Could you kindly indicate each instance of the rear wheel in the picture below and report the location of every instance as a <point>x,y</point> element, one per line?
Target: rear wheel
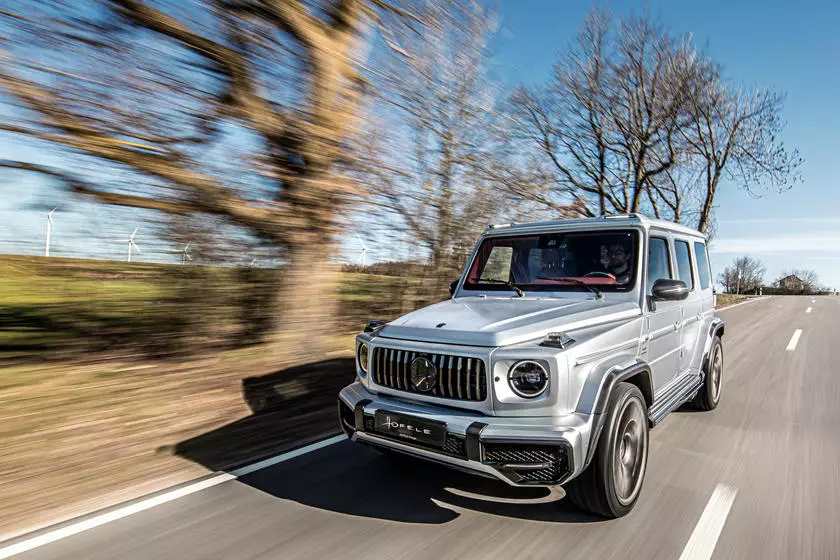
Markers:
<point>708,396</point>
<point>611,485</point>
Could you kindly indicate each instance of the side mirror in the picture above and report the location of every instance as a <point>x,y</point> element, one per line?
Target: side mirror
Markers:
<point>453,285</point>
<point>669,290</point>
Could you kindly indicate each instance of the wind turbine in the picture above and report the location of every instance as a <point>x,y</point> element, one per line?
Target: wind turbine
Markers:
<point>131,243</point>
<point>183,252</point>
<point>365,251</point>
<point>49,230</point>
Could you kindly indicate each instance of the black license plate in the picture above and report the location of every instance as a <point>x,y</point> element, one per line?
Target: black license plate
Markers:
<point>420,430</point>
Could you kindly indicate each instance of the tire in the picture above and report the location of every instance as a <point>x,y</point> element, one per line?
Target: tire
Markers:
<point>612,483</point>
<point>708,396</point>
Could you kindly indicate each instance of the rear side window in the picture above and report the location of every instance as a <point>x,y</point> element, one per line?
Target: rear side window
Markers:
<point>702,265</point>
<point>684,271</point>
<point>659,265</point>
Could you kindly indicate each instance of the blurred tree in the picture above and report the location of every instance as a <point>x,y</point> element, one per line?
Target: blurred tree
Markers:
<point>436,112</point>
<point>245,110</point>
<point>744,276</point>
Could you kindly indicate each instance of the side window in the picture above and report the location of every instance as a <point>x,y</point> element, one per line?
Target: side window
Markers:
<point>659,264</point>
<point>684,271</point>
<point>702,260</point>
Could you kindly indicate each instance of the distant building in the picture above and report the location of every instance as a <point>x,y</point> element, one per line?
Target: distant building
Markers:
<point>792,283</point>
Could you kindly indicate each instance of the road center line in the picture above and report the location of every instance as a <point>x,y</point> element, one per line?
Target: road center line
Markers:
<point>794,340</point>
<point>808,310</point>
<point>97,520</point>
<point>701,544</point>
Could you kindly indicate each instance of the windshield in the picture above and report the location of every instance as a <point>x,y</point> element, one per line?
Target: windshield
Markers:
<point>552,262</point>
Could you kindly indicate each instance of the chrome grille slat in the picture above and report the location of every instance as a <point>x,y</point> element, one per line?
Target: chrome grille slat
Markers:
<point>392,363</point>
<point>449,379</point>
<point>458,373</point>
<point>392,369</point>
<point>406,378</point>
<point>399,372</point>
<point>469,386</point>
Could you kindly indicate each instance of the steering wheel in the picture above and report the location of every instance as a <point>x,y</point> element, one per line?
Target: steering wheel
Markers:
<point>598,274</point>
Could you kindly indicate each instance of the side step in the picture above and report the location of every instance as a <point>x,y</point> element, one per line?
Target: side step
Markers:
<point>682,391</point>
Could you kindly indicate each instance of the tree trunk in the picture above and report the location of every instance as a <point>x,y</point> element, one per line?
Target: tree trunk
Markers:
<point>706,210</point>
<point>306,305</point>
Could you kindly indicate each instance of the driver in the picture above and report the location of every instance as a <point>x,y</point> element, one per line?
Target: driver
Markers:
<point>616,260</point>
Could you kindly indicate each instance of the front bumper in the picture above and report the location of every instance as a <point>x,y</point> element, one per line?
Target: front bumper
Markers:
<point>522,451</point>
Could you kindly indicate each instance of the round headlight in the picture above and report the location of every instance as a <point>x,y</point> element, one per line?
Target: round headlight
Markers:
<point>362,356</point>
<point>528,379</point>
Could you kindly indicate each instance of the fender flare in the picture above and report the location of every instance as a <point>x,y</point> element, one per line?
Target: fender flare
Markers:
<point>716,328</point>
<point>611,379</point>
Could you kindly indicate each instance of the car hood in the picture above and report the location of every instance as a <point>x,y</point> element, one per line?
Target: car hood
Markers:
<point>491,321</point>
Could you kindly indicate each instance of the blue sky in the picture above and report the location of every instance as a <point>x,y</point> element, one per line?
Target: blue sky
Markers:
<point>793,48</point>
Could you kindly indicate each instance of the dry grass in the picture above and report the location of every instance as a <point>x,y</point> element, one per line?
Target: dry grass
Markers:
<point>725,300</point>
<point>72,431</point>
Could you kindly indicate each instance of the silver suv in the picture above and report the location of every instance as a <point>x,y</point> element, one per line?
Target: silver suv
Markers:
<point>564,342</point>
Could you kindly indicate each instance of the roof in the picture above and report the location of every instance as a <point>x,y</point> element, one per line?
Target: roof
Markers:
<point>609,220</point>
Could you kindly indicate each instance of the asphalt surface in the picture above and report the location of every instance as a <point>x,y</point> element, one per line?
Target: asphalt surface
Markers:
<point>773,439</point>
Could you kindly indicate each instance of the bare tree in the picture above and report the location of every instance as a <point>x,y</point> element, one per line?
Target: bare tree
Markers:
<point>735,134</point>
<point>744,275</point>
<point>608,119</point>
<point>636,119</point>
<point>241,109</point>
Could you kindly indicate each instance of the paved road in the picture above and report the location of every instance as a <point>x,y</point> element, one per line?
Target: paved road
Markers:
<point>773,438</point>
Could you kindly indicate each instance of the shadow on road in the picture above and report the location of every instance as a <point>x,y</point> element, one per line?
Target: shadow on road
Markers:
<point>356,480</point>
<point>291,407</point>
<point>298,405</point>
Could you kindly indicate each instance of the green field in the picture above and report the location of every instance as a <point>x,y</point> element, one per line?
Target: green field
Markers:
<point>59,308</point>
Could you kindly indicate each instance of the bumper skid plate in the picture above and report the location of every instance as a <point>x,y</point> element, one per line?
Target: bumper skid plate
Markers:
<point>519,463</point>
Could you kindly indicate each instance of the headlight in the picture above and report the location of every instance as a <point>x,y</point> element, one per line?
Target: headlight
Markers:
<point>528,379</point>
<point>362,357</point>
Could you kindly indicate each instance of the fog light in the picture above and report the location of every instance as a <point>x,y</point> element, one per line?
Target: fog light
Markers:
<point>528,379</point>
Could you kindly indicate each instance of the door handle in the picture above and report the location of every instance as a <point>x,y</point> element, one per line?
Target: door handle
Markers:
<point>676,327</point>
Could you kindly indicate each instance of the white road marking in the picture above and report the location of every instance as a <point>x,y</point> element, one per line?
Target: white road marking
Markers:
<point>742,303</point>
<point>794,340</point>
<point>808,310</point>
<point>121,512</point>
<point>701,544</point>
<point>248,469</point>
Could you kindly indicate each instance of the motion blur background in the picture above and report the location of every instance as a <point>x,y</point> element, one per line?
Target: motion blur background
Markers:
<point>291,169</point>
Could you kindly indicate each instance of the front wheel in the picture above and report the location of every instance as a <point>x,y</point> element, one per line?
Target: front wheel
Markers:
<point>611,485</point>
<point>708,396</point>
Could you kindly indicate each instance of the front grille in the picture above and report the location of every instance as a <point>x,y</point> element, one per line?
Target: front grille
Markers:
<point>458,377</point>
<point>505,453</point>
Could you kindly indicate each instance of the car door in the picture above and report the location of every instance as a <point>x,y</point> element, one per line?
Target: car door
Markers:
<point>691,306</point>
<point>663,317</point>
<point>707,300</point>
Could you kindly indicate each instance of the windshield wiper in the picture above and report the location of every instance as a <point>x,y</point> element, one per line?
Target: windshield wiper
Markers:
<point>577,281</point>
<point>507,283</point>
